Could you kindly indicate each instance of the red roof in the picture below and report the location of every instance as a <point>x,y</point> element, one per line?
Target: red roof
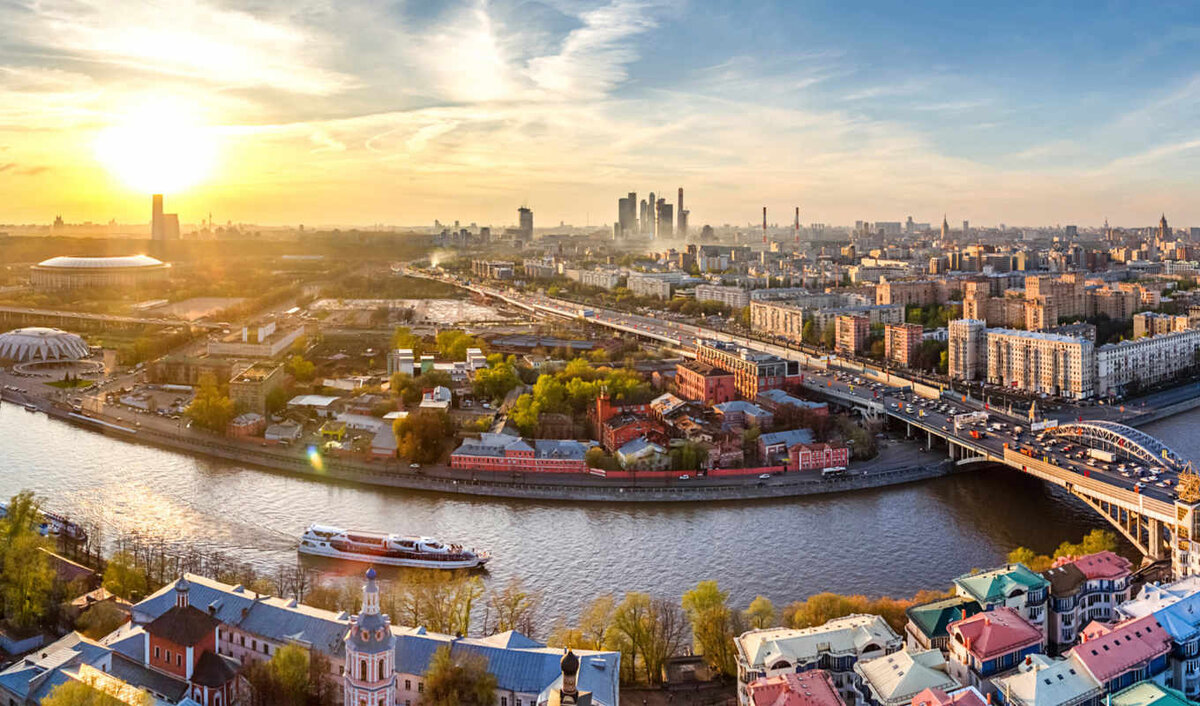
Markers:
<point>1128,645</point>
<point>1103,565</point>
<point>812,688</point>
<point>996,632</point>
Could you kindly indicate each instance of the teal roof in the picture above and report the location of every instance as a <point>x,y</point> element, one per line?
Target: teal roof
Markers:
<point>932,618</point>
<point>995,585</point>
<point>1147,693</point>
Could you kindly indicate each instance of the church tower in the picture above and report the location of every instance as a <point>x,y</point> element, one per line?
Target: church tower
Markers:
<point>370,678</point>
<point>945,228</point>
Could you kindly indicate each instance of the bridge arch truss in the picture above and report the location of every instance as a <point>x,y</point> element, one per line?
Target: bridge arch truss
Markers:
<point>1122,440</point>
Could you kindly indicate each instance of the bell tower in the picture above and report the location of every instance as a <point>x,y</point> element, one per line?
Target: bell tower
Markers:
<point>370,677</point>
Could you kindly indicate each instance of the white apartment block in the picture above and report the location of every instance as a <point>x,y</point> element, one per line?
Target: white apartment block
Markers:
<point>1144,361</point>
<point>605,279</point>
<point>1047,363</point>
<point>732,297</point>
<point>967,352</point>
<point>650,286</point>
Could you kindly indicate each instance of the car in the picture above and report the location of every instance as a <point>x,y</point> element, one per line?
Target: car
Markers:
<point>685,477</point>
<point>765,476</point>
<point>414,466</point>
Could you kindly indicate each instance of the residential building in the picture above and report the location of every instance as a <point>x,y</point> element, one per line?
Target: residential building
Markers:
<point>646,285</point>
<point>732,297</point>
<point>875,315</point>
<point>812,688</point>
<point>816,457</point>
<point>184,370</point>
<point>1127,366</point>
<point>739,413</point>
<point>250,388</point>
<point>1152,324</point>
<point>967,349</point>
<point>1012,586</point>
<point>1122,656</point>
<point>263,340</point>
<point>1176,606</point>
<point>835,647</point>
<point>896,679</point>
<point>901,342</point>
<point>501,452</point>
<point>852,334</point>
<point>928,622</point>
<point>775,318</point>
<point>489,269</point>
<point>604,279</point>
<point>1148,693</point>
<point>753,371</point>
<point>705,383</point>
<point>1041,681</point>
<point>641,454</point>
<point>913,292</point>
<point>773,447</point>
<point>774,400</point>
<point>401,360</point>
<point>619,430</point>
<point>1041,362</point>
<point>990,644</point>
<point>966,696</point>
<point>1081,591</point>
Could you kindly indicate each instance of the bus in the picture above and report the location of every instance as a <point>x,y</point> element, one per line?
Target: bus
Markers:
<point>834,471</point>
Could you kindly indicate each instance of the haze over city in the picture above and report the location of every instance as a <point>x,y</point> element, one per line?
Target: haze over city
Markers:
<point>364,113</point>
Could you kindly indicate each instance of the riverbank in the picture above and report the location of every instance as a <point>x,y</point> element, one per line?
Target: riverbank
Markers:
<point>558,487</point>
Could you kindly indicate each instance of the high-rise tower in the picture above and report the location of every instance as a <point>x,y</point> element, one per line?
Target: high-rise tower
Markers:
<point>525,218</point>
<point>627,215</point>
<point>156,218</point>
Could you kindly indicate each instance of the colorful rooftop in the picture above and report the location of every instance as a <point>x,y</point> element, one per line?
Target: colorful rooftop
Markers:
<point>898,677</point>
<point>966,696</point>
<point>1128,646</point>
<point>997,585</point>
<point>1147,693</point>
<point>933,618</point>
<point>994,633</point>
<point>812,688</point>
<point>1103,565</point>
<point>1044,681</point>
<point>852,634</point>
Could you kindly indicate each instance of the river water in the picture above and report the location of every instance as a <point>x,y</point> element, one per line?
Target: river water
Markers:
<point>893,541</point>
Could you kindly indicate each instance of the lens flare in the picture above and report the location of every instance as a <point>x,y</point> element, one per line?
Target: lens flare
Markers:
<point>315,460</point>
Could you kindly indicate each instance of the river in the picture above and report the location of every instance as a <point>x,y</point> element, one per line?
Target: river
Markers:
<point>893,541</point>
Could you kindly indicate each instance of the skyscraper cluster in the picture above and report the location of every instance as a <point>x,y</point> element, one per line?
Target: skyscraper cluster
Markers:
<point>163,226</point>
<point>653,218</point>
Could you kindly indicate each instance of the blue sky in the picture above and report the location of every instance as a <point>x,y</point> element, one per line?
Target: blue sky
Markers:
<point>363,112</point>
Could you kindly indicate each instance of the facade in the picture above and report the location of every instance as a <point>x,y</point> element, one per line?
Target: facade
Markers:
<point>1128,365</point>
<point>753,371</point>
<point>1176,606</point>
<point>967,349</point>
<point>816,457</point>
<point>912,293</point>
<point>250,388</point>
<point>834,647</point>
<point>85,272</point>
<point>875,315</point>
<point>778,318</point>
<point>619,430</point>
<point>901,342</point>
<point>990,644</point>
<point>370,675</point>
<point>1152,324</point>
<point>927,623</point>
<point>852,334</point>
<point>732,297</point>
<point>1013,586</point>
<point>705,383</point>
<point>492,269</point>
<point>504,453</point>
<point>644,285</point>
<point>604,279</point>
<point>183,370</point>
<point>1038,362</point>
<point>1082,591</point>
<point>774,447</point>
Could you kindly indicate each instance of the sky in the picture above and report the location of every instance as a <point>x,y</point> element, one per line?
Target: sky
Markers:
<point>323,112</point>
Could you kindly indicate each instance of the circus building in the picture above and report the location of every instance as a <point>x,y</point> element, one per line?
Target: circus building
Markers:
<point>36,344</point>
<point>127,272</point>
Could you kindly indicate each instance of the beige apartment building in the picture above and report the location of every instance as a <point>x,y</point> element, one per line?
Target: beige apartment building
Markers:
<point>1043,363</point>
<point>967,351</point>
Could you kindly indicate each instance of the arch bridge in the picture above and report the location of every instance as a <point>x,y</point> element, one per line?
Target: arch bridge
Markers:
<point>1121,440</point>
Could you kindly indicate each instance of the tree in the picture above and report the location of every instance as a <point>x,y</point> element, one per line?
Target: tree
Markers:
<point>422,435</point>
<point>83,693</point>
<point>441,603</point>
<point>100,619</point>
<point>525,414</point>
<point>761,613</point>
<point>512,608</point>
<point>24,515</point>
<point>26,581</point>
<point>707,608</point>
<point>301,369</point>
<point>404,338</point>
<point>404,387</point>
<point>276,400</point>
<point>458,680</point>
<point>647,631</point>
<point>452,344</point>
<point>293,677</point>
<point>435,378</point>
<point>210,409</point>
<point>494,382</point>
<point>123,577</point>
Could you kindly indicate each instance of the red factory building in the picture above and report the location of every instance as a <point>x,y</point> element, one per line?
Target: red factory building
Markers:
<point>705,383</point>
<point>815,457</point>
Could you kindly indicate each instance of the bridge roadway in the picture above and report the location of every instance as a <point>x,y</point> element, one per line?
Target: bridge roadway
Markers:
<point>1137,499</point>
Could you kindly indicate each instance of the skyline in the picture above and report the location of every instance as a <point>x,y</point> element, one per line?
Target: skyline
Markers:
<point>358,114</point>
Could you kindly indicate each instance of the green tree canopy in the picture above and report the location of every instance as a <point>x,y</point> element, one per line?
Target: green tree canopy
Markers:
<point>123,577</point>
<point>422,436</point>
<point>78,693</point>
<point>458,680</point>
<point>210,409</point>
<point>713,626</point>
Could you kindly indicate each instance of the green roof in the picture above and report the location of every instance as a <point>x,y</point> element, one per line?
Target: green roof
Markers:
<point>932,618</point>
<point>1147,693</point>
<point>996,585</point>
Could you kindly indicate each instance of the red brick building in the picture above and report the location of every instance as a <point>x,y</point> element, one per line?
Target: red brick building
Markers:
<point>182,642</point>
<point>815,457</point>
<point>901,342</point>
<point>753,371</point>
<point>623,428</point>
<point>705,383</point>
<point>852,333</point>
<point>512,454</point>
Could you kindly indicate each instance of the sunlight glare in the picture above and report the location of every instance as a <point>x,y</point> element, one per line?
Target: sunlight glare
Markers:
<point>161,147</point>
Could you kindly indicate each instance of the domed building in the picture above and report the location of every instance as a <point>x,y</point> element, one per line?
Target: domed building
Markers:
<point>370,678</point>
<point>129,271</point>
<point>35,343</point>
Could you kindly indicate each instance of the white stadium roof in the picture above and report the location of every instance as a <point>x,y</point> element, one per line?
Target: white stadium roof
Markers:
<point>101,263</point>
<point>36,343</point>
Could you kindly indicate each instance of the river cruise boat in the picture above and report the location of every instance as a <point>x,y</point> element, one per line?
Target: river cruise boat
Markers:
<point>388,549</point>
<point>53,525</point>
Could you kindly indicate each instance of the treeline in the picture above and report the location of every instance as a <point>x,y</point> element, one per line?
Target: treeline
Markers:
<point>1095,541</point>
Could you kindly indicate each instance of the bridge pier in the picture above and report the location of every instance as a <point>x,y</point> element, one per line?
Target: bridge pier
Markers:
<point>928,440</point>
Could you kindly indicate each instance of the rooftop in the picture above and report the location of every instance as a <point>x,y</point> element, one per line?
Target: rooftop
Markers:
<point>994,633</point>
<point>811,688</point>
<point>898,677</point>
<point>1147,693</point>
<point>996,585</point>
<point>1129,645</point>
<point>101,263</point>
<point>1044,681</point>
<point>852,634</point>
<point>933,618</point>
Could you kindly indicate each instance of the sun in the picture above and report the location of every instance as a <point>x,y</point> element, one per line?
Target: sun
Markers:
<point>161,147</point>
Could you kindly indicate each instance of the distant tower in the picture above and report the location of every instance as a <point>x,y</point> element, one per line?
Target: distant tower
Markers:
<point>627,215</point>
<point>945,228</point>
<point>652,214</point>
<point>525,217</point>
<point>765,231</point>
<point>1164,230</point>
<point>796,226</point>
<point>370,674</point>
<point>156,218</point>
<point>681,217</point>
<point>664,220</point>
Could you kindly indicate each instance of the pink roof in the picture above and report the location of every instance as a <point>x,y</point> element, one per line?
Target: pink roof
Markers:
<point>812,688</point>
<point>1126,646</point>
<point>996,632</point>
<point>1103,565</point>
<point>937,697</point>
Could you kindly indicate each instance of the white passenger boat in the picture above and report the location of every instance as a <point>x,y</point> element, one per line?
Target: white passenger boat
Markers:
<point>388,549</point>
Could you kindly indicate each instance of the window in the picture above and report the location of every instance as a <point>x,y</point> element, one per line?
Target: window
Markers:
<point>503,701</point>
<point>178,660</point>
<point>362,669</point>
<point>243,640</point>
<point>420,687</point>
<point>157,654</point>
<point>408,685</point>
<point>382,668</point>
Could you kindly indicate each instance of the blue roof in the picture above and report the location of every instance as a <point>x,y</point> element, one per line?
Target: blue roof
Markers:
<point>551,448</point>
<point>636,446</point>
<point>740,406</point>
<point>788,438</point>
<point>1181,619</point>
<point>780,397</point>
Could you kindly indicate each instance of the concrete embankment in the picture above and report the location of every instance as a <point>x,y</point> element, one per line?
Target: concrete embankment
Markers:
<point>560,488</point>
